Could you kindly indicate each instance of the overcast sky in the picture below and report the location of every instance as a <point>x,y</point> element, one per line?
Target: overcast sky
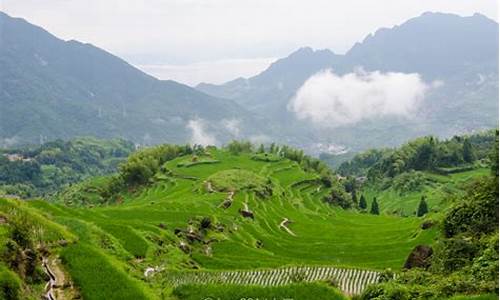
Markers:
<point>217,40</point>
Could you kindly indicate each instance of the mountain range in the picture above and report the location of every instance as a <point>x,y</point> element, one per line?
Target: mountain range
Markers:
<point>51,88</point>
<point>456,56</point>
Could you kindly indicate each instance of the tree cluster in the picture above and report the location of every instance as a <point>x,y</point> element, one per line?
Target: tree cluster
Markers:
<point>422,154</point>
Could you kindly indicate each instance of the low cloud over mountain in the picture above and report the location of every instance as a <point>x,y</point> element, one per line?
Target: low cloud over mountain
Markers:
<point>200,134</point>
<point>332,100</point>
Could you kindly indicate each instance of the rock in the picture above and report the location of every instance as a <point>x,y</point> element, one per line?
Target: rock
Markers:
<point>205,223</point>
<point>427,224</point>
<point>419,257</point>
<point>226,204</point>
<point>185,247</point>
<point>247,214</point>
<point>63,243</point>
<point>219,227</point>
<point>193,236</point>
<point>149,271</point>
<point>162,225</point>
<point>207,250</point>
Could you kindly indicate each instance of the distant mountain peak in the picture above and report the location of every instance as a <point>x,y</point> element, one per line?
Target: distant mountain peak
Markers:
<point>308,51</point>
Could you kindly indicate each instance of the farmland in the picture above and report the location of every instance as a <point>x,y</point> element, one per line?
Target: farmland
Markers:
<point>220,219</point>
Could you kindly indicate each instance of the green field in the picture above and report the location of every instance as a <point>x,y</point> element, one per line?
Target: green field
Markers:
<point>176,227</point>
<point>438,192</point>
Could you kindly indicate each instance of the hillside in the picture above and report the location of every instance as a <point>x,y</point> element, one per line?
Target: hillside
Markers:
<point>62,89</point>
<point>457,57</point>
<point>183,222</point>
<point>438,170</point>
<point>32,171</point>
<point>213,212</point>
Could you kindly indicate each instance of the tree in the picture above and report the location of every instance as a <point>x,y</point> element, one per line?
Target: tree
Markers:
<point>468,151</point>
<point>494,158</point>
<point>422,207</point>
<point>339,197</point>
<point>374,209</point>
<point>354,197</point>
<point>261,149</point>
<point>362,202</point>
<point>272,148</point>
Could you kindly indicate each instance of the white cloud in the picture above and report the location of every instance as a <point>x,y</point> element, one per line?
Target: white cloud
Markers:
<point>232,126</point>
<point>199,134</point>
<point>331,100</point>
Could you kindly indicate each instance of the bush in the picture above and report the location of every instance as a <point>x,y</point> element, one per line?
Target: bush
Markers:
<point>339,197</point>
<point>477,213</point>
<point>10,284</point>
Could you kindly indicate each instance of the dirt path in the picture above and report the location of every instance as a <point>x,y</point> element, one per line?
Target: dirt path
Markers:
<point>49,287</point>
<point>284,225</point>
<point>229,200</point>
<point>209,187</point>
<point>58,286</point>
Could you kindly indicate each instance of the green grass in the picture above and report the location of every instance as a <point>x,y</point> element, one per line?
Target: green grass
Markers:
<point>437,194</point>
<point>42,228</point>
<point>111,245</point>
<point>324,235</point>
<point>134,243</point>
<point>476,297</point>
<point>10,284</point>
<point>236,180</point>
<point>111,235</point>
<point>99,277</point>
<point>235,292</point>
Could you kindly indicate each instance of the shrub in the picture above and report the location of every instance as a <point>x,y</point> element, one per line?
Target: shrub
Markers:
<point>10,284</point>
<point>422,207</point>
<point>374,210</point>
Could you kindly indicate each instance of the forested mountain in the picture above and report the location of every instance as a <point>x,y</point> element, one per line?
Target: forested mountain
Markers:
<point>37,170</point>
<point>52,88</point>
<point>456,57</point>
<point>61,89</point>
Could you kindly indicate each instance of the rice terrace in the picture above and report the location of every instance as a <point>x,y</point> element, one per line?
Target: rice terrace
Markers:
<point>178,223</point>
<point>176,217</point>
<point>222,157</point>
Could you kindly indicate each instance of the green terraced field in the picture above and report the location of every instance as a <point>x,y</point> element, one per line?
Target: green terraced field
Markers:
<point>139,232</point>
<point>437,193</point>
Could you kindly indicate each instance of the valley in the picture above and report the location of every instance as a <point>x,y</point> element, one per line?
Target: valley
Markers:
<point>190,219</point>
